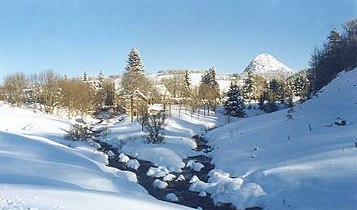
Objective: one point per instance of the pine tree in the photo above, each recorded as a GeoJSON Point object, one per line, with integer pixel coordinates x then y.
{"type": "Point", "coordinates": [299, 85]}
{"type": "Point", "coordinates": [213, 83]}
{"type": "Point", "coordinates": [276, 90]}
{"type": "Point", "coordinates": [186, 81]}
{"type": "Point", "coordinates": [133, 77]}
{"type": "Point", "coordinates": [234, 105]}
{"type": "Point", "coordinates": [248, 87]}
{"type": "Point", "coordinates": [134, 62]}
{"type": "Point", "coordinates": [133, 80]}
{"type": "Point", "coordinates": [209, 89]}
{"type": "Point", "coordinates": [186, 92]}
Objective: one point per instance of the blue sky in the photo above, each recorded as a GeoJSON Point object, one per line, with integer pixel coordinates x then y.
{"type": "Point", "coordinates": [71, 36]}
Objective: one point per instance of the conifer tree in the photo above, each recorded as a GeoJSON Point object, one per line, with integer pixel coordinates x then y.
{"type": "Point", "coordinates": [276, 91]}
{"type": "Point", "coordinates": [133, 77]}
{"type": "Point", "coordinates": [234, 105]}
{"type": "Point", "coordinates": [209, 89]}
{"type": "Point", "coordinates": [187, 83]}
{"type": "Point", "coordinates": [248, 87]}
{"type": "Point", "coordinates": [134, 80]}
{"type": "Point", "coordinates": [134, 62]}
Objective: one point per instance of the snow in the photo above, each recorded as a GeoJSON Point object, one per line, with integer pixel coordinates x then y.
{"type": "Point", "coordinates": [194, 165]}
{"type": "Point", "coordinates": [224, 189]}
{"type": "Point", "coordinates": [157, 171]}
{"type": "Point", "coordinates": [133, 163]}
{"type": "Point", "coordinates": [169, 177]}
{"type": "Point", "coordinates": [195, 79]}
{"type": "Point", "coordinates": [202, 194]}
{"type": "Point", "coordinates": [39, 169]}
{"type": "Point", "coordinates": [180, 178]}
{"type": "Point", "coordinates": [159, 184]}
{"type": "Point", "coordinates": [111, 153]}
{"type": "Point", "coordinates": [177, 144]}
{"type": "Point", "coordinates": [294, 166]}
{"type": "Point", "coordinates": [172, 197]}
{"type": "Point", "coordinates": [194, 179]}
{"type": "Point", "coordinates": [269, 67]}
{"type": "Point", "coordinates": [123, 158]}
{"type": "Point", "coordinates": [307, 161]}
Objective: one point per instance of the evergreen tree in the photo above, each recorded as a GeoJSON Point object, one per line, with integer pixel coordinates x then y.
{"type": "Point", "coordinates": [187, 91]}
{"type": "Point", "coordinates": [213, 84]}
{"type": "Point", "coordinates": [209, 89]}
{"type": "Point", "coordinates": [338, 54]}
{"type": "Point", "coordinates": [133, 77]}
{"type": "Point", "coordinates": [299, 85]}
{"type": "Point", "coordinates": [276, 90]}
{"type": "Point", "coordinates": [248, 87]}
{"type": "Point", "coordinates": [134, 80]}
{"type": "Point", "coordinates": [134, 62]}
{"type": "Point", "coordinates": [186, 81]}
{"type": "Point", "coordinates": [234, 105]}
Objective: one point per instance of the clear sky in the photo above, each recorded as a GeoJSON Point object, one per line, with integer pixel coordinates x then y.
{"type": "Point", "coordinates": [71, 36]}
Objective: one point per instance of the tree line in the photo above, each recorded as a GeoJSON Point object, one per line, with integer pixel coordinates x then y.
{"type": "Point", "coordinates": [48, 91]}
{"type": "Point", "coordinates": [337, 54]}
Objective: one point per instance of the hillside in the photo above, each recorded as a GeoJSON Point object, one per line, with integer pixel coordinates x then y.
{"type": "Point", "coordinates": [305, 161]}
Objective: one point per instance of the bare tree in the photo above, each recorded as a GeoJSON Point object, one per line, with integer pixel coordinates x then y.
{"type": "Point", "coordinates": [14, 88]}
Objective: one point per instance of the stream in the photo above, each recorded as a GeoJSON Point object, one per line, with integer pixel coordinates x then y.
{"type": "Point", "coordinates": [179, 188]}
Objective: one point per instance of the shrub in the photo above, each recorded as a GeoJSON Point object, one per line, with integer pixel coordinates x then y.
{"type": "Point", "coordinates": [155, 125]}
{"type": "Point", "coordinates": [78, 132]}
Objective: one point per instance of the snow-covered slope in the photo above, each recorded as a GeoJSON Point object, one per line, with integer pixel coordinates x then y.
{"type": "Point", "coordinates": [195, 79]}
{"type": "Point", "coordinates": [38, 170]}
{"type": "Point", "coordinates": [267, 65]}
{"type": "Point", "coordinates": [303, 162]}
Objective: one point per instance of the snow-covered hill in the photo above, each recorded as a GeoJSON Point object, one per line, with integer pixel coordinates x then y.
{"type": "Point", "coordinates": [38, 170]}
{"type": "Point", "coordinates": [195, 79]}
{"type": "Point", "coordinates": [268, 66]}
{"type": "Point", "coordinates": [301, 160]}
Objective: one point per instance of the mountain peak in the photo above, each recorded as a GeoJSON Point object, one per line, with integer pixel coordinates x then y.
{"type": "Point", "coordinates": [267, 65]}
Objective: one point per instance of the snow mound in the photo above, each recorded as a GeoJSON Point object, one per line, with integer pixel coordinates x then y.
{"type": "Point", "coordinates": [123, 158]}
{"type": "Point", "coordinates": [193, 165]}
{"type": "Point", "coordinates": [111, 153]}
{"type": "Point", "coordinates": [133, 163]}
{"type": "Point", "coordinates": [169, 177]}
{"type": "Point", "coordinates": [155, 153]}
{"type": "Point", "coordinates": [159, 184]}
{"type": "Point", "coordinates": [157, 172]}
{"type": "Point", "coordinates": [180, 178]}
{"type": "Point", "coordinates": [172, 197]}
{"type": "Point", "coordinates": [224, 189]}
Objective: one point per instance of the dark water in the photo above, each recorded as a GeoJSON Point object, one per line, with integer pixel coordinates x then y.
{"type": "Point", "coordinates": [179, 188]}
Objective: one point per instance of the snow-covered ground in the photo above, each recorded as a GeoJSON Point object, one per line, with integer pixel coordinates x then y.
{"type": "Point", "coordinates": [302, 161]}
{"type": "Point", "coordinates": [177, 145]}
{"type": "Point", "coordinates": [281, 160]}
{"type": "Point", "coordinates": [41, 170]}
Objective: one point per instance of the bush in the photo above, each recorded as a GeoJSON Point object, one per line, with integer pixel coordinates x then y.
{"type": "Point", "coordinates": [78, 132]}
{"type": "Point", "coordinates": [155, 125]}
